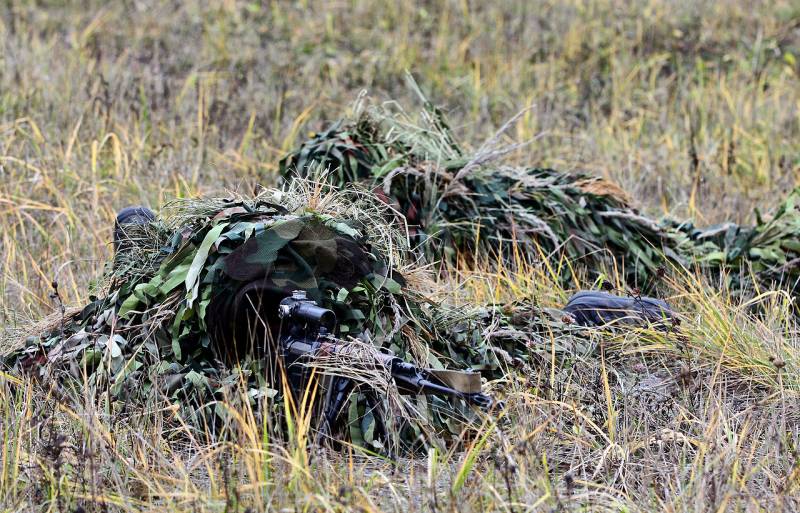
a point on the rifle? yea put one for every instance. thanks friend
(308, 331)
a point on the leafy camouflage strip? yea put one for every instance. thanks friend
(171, 333)
(458, 204)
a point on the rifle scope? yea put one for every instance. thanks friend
(299, 308)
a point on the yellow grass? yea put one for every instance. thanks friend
(692, 107)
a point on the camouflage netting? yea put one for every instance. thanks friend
(459, 203)
(169, 326)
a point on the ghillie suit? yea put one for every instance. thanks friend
(189, 316)
(458, 204)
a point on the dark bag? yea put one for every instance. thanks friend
(595, 308)
(130, 216)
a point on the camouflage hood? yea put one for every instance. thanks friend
(260, 248)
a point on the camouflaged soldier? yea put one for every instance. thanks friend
(460, 206)
(190, 315)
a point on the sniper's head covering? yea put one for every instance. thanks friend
(299, 252)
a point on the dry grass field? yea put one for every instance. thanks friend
(693, 107)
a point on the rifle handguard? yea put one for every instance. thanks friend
(411, 379)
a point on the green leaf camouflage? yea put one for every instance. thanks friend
(458, 205)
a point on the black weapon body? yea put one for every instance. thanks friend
(308, 330)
